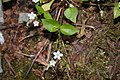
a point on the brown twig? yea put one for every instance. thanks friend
(48, 58)
(31, 35)
(9, 65)
(35, 59)
(105, 5)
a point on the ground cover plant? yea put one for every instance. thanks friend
(62, 40)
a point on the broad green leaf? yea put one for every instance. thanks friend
(39, 9)
(47, 15)
(68, 29)
(47, 6)
(116, 10)
(50, 25)
(71, 14)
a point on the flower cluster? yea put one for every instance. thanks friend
(32, 16)
(57, 55)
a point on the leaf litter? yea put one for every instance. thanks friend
(82, 60)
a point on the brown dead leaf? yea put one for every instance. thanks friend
(73, 59)
(37, 72)
(7, 57)
(40, 45)
(8, 60)
(41, 59)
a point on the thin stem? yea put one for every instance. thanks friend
(59, 37)
(67, 1)
(99, 7)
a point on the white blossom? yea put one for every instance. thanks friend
(57, 55)
(31, 16)
(35, 1)
(2, 40)
(36, 23)
(52, 63)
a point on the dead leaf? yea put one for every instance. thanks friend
(47, 6)
(37, 72)
(82, 32)
(41, 59)
(40, 45)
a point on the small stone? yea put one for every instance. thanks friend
(1, 70)
(1, 13)
(23, 17)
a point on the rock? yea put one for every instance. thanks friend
(1, 70)
(23, 17)
(2, 40)
(1, 13)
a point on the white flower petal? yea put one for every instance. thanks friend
(54, 53)
(52, 63)
(35, 1)
(61, 55)
(31, 16)
(58, 52)
(57, 55)
(58, 58)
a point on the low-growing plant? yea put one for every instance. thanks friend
(53, 25)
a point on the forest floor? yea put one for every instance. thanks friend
(94, 56)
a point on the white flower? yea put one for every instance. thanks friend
(57, 55)
(35, 1)
(2, 40)
(31, 16)
(52, 63)
(36, 23)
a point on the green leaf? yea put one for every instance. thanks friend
(116, 10)
(39, 9)
(71, 14)
(51, 25)
(47, 6)
(47, 15)
(68, 29)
